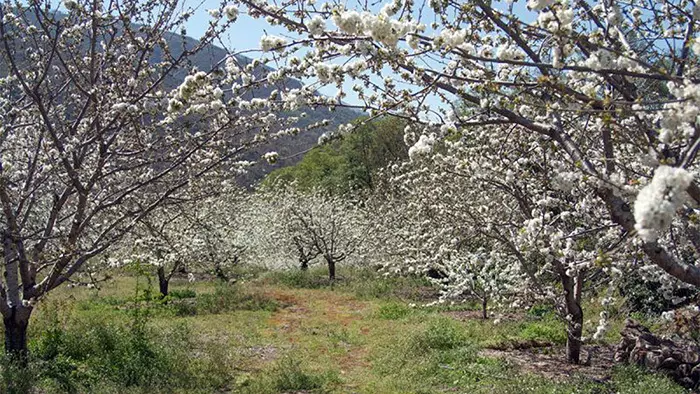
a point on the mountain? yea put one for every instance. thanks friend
(291, 149)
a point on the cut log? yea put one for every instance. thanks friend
(678, 359)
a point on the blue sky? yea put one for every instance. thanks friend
(244, 34)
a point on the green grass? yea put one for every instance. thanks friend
(284, 332)
(441, 334)
(364, 283)
(288, 376)
(394, 311)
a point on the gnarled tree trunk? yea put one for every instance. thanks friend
(575, 319)
(574, 313)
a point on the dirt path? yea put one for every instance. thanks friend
(332, 323)
(332, 330)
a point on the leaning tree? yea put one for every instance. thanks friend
(103, 121)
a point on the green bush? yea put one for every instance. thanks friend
(118, 352)
(16, 378)
(182, 294)
(84, 354)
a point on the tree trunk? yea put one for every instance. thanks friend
(331, 268)
(574, 314)
(484, 312)
(220, 273)
(163, 282)
(304, 265)
(16, 333)
(574, 317)
(573, 337)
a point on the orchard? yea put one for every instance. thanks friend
(497, 157)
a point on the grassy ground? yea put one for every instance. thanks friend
(291, 332)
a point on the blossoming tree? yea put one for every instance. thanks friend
(495, 237)
(94, 137)
(609, 91)
(308, 224)
(198, 236)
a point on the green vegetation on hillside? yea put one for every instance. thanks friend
(349, 163)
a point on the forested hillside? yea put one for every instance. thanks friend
(350, 163)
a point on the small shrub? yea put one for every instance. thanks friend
(16, 378)
(120, 352)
